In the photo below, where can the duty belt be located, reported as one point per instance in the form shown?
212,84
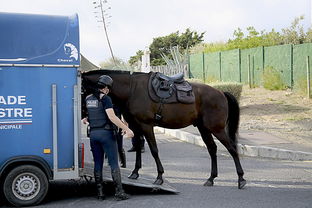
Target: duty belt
105,127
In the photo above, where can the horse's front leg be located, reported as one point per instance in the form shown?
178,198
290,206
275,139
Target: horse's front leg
138,158
151,141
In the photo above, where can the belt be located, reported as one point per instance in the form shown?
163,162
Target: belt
105,127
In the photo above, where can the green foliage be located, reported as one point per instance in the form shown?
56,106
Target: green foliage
214,47
294,34
134,59
118,64
211,79
232,87
162,46
272,79
196,80
301,86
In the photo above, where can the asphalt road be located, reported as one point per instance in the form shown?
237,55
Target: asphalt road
270,183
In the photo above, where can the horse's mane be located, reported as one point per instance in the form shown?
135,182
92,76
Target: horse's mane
134,73
90,84
106,71
110,71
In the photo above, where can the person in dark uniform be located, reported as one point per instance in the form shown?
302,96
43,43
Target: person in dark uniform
101,118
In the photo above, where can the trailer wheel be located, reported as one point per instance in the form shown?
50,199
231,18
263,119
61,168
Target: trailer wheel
25,185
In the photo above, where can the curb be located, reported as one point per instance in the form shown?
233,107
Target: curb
245,150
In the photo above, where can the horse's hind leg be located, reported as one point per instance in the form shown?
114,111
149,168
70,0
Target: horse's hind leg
225,140
212,149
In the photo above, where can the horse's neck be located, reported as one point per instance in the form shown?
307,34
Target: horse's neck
121,87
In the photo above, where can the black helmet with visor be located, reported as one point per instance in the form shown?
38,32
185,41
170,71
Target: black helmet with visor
104,81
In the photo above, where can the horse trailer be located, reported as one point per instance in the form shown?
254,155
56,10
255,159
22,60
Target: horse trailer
39,104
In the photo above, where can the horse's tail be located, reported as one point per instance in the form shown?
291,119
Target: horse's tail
233,117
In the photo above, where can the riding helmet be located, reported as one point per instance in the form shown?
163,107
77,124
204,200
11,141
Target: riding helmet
104,81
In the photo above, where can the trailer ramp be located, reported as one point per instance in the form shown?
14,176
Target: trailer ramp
144,181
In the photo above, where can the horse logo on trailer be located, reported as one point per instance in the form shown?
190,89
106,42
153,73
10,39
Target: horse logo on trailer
71,51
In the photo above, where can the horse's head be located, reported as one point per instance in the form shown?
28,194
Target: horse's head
121,83
71,51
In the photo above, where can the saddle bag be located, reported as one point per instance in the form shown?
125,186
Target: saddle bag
185,93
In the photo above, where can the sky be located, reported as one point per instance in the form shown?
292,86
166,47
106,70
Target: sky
134,24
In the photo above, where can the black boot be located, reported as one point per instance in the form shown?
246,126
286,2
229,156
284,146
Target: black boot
122,157
119,193
99,185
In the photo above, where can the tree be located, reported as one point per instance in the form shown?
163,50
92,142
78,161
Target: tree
115,64
292,35
134,59
161,46
295,33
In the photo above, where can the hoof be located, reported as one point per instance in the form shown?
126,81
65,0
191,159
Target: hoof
121,196
208,183
133,176
241,183
101,198
158,181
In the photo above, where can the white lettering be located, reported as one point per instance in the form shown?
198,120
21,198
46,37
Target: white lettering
15,112
2,113
12,100
9,110
18,112
28,112
2,100
10,127
64,60
22,100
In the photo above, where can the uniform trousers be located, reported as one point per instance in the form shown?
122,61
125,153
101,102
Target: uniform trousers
101,141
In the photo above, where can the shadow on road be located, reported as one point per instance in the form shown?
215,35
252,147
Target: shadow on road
73,189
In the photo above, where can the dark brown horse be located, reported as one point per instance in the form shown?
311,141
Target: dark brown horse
214,113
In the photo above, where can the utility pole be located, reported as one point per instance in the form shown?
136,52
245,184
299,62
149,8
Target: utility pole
101,6
311,14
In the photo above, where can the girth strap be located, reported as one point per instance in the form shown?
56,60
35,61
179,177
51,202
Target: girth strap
158,115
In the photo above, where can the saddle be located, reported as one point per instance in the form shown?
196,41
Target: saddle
170,89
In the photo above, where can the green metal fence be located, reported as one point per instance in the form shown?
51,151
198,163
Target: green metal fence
300,67
252,66
212,67
280,58
197,65
247,66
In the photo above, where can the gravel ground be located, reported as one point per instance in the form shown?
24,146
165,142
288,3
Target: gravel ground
285,114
